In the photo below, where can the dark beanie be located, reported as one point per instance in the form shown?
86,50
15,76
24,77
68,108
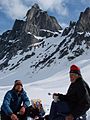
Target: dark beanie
75,69
17,82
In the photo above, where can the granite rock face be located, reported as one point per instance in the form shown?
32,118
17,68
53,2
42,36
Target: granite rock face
38,20
83,24
37,23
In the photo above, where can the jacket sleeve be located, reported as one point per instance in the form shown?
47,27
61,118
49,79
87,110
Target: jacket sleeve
6,103
62,97
26,102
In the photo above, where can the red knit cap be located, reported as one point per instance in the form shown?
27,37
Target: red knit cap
75,69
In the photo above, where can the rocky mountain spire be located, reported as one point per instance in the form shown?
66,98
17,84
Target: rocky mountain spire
37,20
31,12
83,24
37,23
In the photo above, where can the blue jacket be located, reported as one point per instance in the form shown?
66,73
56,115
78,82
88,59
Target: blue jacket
12,102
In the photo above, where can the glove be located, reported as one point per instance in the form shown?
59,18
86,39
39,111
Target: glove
55,97
22,111
69,117
14,117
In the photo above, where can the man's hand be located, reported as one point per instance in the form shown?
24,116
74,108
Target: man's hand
55,97
22,111
69,117
14,117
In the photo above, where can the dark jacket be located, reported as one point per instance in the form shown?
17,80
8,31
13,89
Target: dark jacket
77,97
12,102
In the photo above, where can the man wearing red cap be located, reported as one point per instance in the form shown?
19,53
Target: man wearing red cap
75,103
15,103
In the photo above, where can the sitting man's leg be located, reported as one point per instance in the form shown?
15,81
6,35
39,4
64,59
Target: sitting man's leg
58,109
4,116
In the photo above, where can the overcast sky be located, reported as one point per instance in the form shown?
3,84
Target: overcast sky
64,10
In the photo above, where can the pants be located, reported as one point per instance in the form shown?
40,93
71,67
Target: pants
6,117
59,110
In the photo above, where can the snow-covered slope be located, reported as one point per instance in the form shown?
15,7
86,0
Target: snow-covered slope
41,60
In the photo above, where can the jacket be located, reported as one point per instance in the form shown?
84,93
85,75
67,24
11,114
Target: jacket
77,97
12,102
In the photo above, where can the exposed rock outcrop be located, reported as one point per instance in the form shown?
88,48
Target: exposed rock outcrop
37,20
83,24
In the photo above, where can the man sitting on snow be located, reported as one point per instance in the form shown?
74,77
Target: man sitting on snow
15,103
75,103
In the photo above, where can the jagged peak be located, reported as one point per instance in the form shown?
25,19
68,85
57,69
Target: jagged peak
83,24
34,9
72,23
87,10
37,19
36,6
